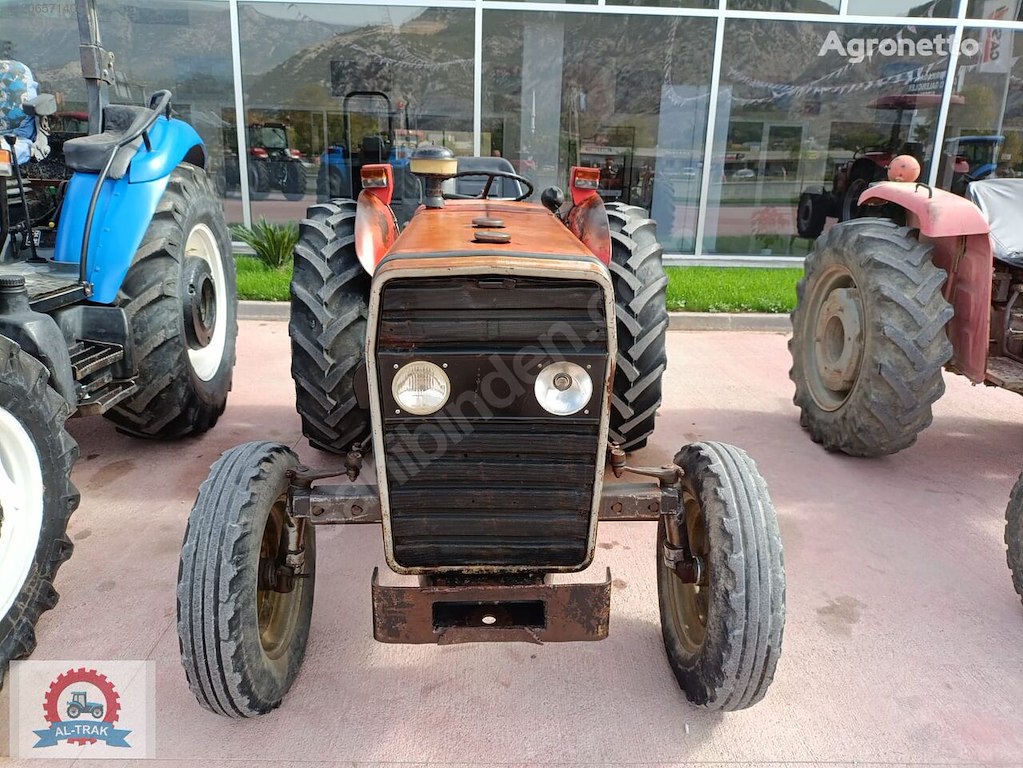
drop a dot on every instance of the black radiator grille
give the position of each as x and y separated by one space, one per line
510 487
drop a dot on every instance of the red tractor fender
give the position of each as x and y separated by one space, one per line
959 233
937 213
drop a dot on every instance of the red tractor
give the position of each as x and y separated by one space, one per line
492 355
885 304
965 159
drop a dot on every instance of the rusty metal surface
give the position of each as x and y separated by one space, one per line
636 501
360 502
491 610
349 503
450 229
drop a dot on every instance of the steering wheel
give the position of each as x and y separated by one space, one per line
867 148
485 192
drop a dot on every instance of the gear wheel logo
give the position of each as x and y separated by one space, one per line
81 707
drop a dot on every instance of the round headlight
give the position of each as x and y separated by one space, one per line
421 388
563 388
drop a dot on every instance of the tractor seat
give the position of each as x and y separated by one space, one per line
502 187
1001 201
89 153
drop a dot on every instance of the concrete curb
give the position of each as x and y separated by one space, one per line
722 321
677 321
264 310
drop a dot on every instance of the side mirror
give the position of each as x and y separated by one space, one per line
41 106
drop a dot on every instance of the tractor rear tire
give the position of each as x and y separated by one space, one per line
868 338
811 215
180 296
640 285
1014 535
36 497
242 642
329 310
723 634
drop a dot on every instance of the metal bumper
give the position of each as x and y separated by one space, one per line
498 607
360 503
508 609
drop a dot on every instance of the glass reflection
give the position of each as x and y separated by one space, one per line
625 94
342 86
984 132
147 41
809 115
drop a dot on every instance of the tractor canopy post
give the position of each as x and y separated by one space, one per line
97 63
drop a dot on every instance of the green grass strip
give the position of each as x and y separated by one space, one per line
257 281
732 289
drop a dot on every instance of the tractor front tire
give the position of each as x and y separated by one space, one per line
36 497
329 310
294 181
180 296
1014 535
723 633
242 642
811 215
640 285
868 338
259 180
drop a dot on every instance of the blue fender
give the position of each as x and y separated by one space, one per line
984 171
124 209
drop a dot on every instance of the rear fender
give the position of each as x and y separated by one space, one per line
173 142
123 213
959 233
968 261
125 207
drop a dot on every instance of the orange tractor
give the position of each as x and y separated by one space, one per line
493 357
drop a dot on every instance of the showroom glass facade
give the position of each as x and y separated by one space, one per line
285 94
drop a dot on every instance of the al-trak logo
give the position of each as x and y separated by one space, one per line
81 707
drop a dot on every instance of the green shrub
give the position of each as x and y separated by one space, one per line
273 243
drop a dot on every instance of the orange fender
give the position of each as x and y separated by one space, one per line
375 230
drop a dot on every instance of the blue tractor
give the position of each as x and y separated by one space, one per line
370 137
128 311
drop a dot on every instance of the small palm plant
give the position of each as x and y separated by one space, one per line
273 243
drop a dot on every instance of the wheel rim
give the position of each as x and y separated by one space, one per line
277 613
21 507
690 603
202 244
833 353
